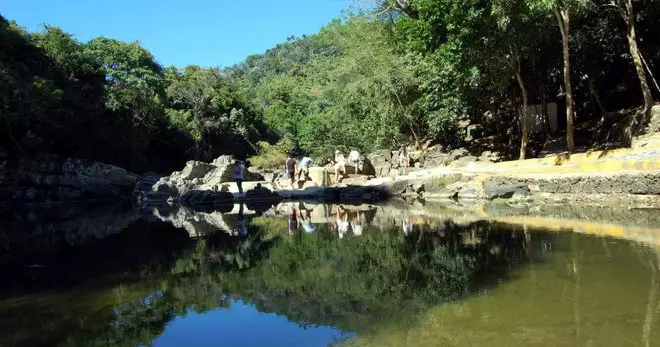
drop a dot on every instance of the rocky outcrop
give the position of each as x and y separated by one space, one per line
48 178
200 182
378 163
654 123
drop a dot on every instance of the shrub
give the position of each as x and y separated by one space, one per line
272 156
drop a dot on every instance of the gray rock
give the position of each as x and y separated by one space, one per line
654 123
502 190
47 178
418 187
378 163
195 169
199 197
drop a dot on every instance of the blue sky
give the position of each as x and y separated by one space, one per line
178 32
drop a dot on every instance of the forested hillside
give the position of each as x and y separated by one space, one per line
406 72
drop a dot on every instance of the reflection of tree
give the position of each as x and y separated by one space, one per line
355 283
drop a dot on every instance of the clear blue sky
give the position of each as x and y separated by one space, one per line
182 32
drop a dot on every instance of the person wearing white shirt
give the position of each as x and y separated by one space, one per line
354 157
340 165
303 167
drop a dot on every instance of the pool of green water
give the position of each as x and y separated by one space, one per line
304 274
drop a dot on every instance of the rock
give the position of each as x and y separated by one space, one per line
455 155
418 187
145 183
435 157
378 163
654 123
463 161
261 193
195 169
501 190
319 176
48 178
199 197
355 180
396 188
223 160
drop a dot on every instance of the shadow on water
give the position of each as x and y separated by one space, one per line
102 276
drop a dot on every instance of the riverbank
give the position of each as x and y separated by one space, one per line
628 176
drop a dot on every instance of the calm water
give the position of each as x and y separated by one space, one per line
303 274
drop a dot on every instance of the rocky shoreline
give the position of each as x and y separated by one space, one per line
435 175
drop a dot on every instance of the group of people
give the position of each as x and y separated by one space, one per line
336 164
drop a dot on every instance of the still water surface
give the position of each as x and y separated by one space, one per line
324 275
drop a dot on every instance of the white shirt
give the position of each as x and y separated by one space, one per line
306 162
354 155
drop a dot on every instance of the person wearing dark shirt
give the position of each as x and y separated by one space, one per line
290 166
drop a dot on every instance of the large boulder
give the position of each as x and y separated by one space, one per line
495 189
319 176
197 177
195 169
378 163
47 178
654 123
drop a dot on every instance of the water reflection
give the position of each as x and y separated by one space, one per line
331 274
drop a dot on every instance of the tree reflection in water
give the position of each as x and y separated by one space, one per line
355 283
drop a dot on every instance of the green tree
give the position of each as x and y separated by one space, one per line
134 89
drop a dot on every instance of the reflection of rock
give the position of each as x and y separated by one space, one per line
44 227
202 223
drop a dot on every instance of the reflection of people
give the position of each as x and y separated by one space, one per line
240 222
356 225
354 157
306 221
239 170
341 222
304 165
290 166
293 221
407 226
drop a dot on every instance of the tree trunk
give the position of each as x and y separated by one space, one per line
628 15
546 116
563 19
523 116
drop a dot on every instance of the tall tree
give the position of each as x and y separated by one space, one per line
627 12
562 10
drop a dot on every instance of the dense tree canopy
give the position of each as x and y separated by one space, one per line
407 72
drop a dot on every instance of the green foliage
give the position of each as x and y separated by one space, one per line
406 73
272 156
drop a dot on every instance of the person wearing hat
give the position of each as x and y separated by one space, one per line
340 165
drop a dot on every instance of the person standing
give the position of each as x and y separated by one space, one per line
340 165
290 166
354 157
305 164
239 172
404 159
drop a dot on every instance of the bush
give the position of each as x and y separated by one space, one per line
272 156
